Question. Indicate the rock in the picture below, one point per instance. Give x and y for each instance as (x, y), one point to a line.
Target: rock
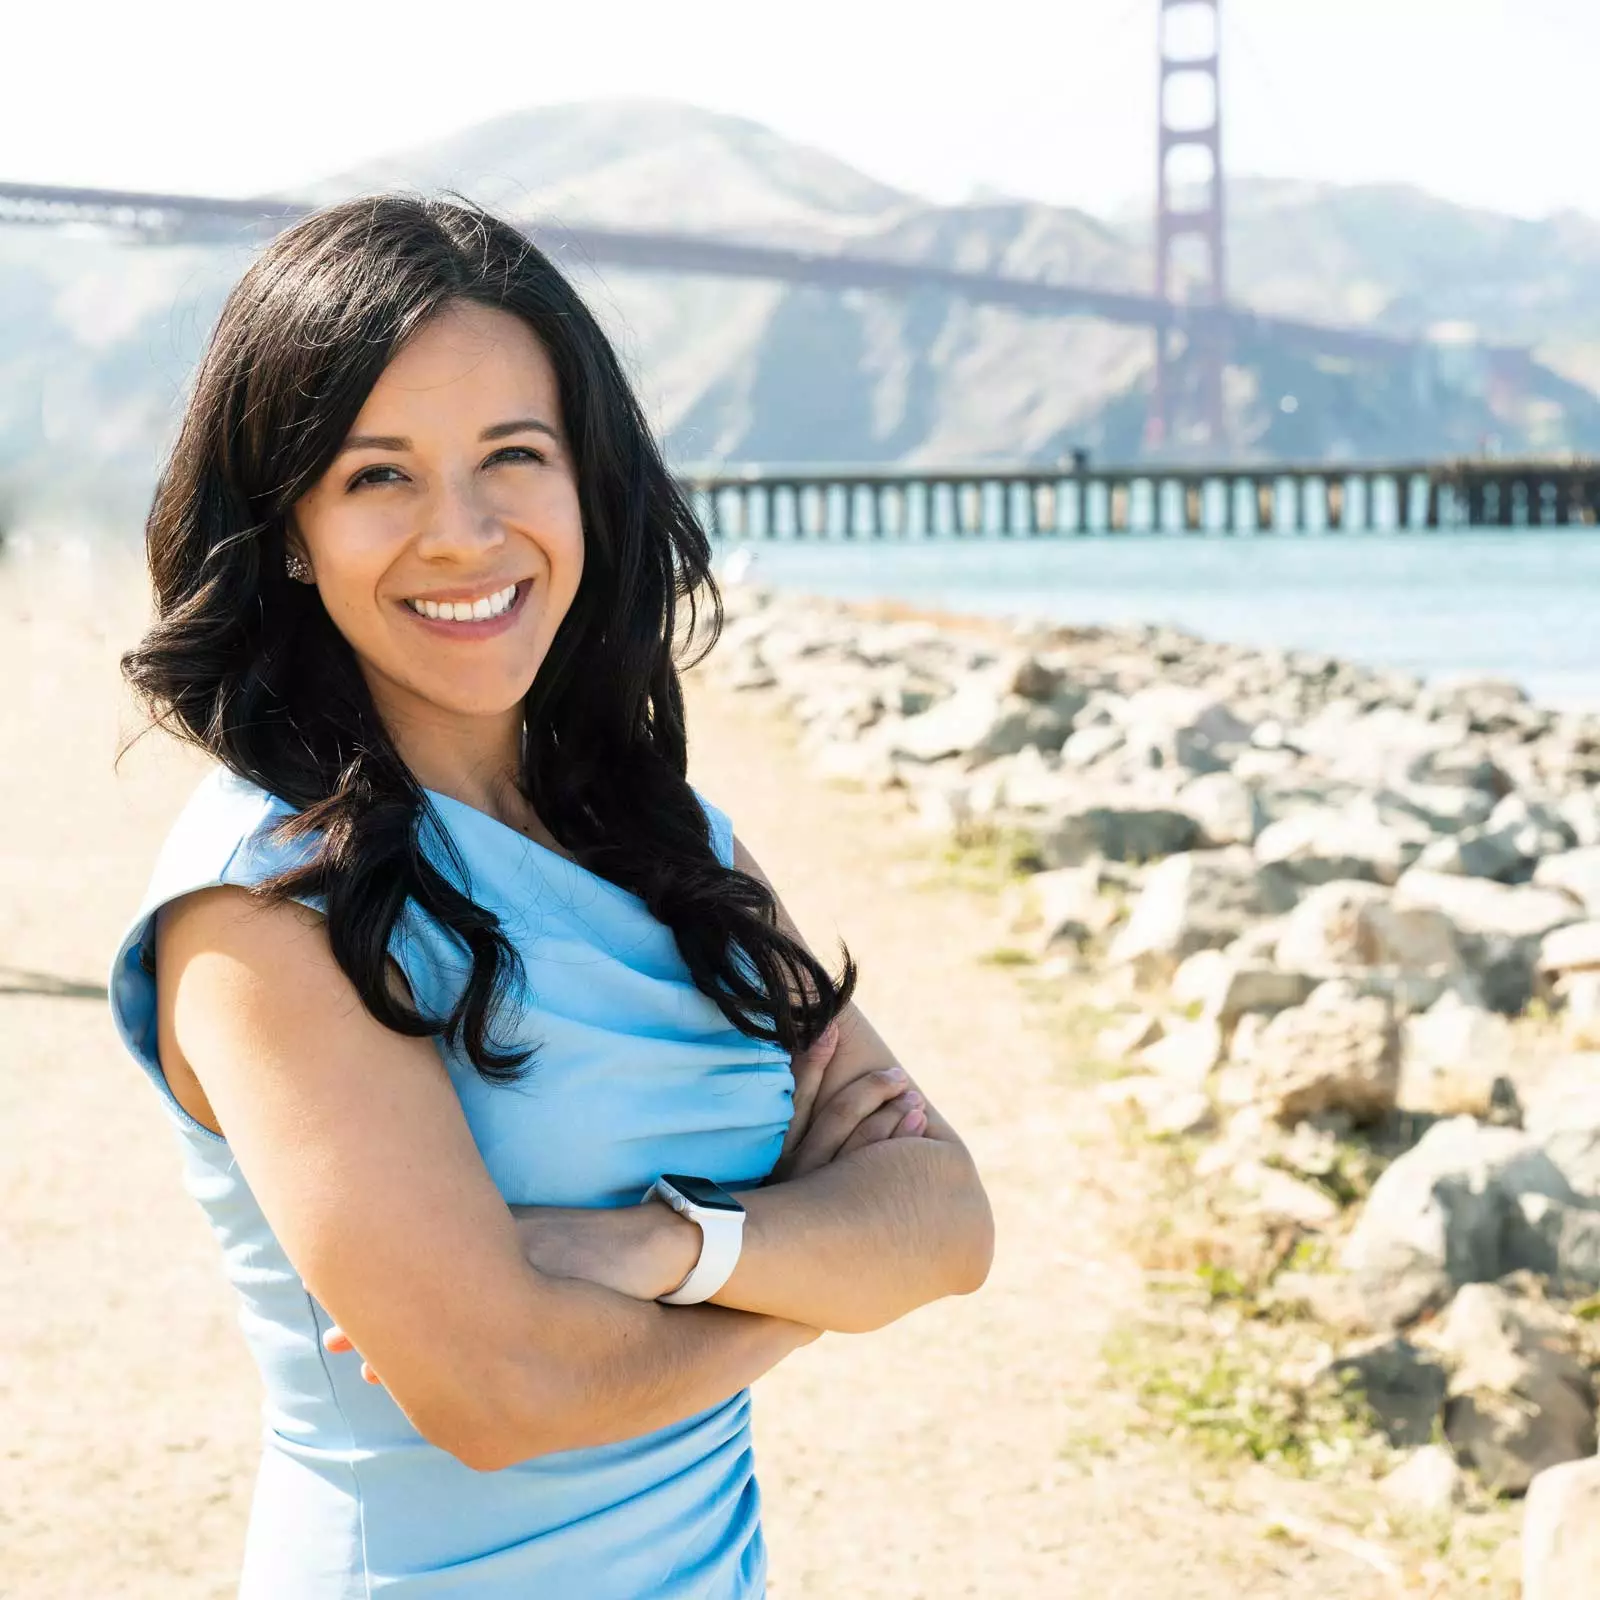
(1542, 828)
(1336, 1052)
(1225, 989)
(1252, 766)
(1581, 813)
(977, 724)
(1404, 1387)
(1026, 675)
(1257, 946)
(1185, 1055)
(1486, 909)
(1481, 703)
(1196, 901)
(1446, 808)
(1322, 845)
(1580, 1021)
(1575, 873)
(1129, 832)
(1574, 948)
(1198, 978)
(1559, 1241)
(1519, 1400)
(1089, 745)
(863, 762)
(1476, 853)
(1562, 1118)
(1460, 765)
(1312, 1148)
(1428, 1483)
(1561, 1532)
(1183, 1114)
(1452, 1056)
(1434, 1220)
(1018, 788)
(1499, 927)
(1068, 905)
(1345, 927)
(1175, 726)
(1326, 1297)
(1120, 1040)
(1169, 1109)
(1226, 810)
(1278, 1196)
(1384, 744)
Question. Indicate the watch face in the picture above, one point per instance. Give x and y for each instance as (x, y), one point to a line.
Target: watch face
(702, 1191)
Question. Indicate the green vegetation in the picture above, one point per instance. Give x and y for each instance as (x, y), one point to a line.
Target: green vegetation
(1006, 955)
(985, 857)
(1229, 1396)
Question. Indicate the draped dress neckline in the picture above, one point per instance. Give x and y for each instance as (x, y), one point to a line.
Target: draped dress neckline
(486, 819)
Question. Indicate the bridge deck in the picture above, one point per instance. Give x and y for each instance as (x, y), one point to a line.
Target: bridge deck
(847, 503)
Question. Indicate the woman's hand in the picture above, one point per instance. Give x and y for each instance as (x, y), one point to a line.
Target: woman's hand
(877, 1106)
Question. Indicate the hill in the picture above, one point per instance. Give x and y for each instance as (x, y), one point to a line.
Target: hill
(96, 335)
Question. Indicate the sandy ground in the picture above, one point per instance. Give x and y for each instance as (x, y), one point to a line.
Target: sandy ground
(960, 1452)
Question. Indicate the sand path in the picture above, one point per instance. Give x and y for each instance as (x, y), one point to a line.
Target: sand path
(957, 1453)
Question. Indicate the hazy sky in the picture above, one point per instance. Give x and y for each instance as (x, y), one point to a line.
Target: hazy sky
(1490, 102)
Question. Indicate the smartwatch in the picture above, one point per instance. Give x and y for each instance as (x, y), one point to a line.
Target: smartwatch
(721, 1221)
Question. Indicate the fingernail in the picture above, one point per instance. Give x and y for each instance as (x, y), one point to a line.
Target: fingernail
(897, 1074)
(913, 1100)
(915, 1122)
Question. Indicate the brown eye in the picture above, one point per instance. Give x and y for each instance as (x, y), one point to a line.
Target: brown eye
(514, 452)
(375, 475)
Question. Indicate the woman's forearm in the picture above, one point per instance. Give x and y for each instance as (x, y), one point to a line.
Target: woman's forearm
(860, 1242)
(845, 1248)
(633, 1366)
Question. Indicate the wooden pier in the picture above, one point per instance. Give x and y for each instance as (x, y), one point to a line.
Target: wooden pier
(995, 502)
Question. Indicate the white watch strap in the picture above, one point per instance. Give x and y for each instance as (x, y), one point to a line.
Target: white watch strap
(721, 1239)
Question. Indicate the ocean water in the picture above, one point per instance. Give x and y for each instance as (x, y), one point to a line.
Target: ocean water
(1521, 604)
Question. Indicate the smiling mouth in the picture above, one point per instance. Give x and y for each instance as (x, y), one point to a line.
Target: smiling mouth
(479, 609)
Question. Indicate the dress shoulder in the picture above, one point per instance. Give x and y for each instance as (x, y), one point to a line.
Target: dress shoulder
(221, 836)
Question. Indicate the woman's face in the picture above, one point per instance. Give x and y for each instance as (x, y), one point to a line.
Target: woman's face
(445, 539)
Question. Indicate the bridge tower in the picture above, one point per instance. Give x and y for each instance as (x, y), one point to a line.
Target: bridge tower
(1186, 409)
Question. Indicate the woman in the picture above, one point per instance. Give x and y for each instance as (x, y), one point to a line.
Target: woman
(447, 964)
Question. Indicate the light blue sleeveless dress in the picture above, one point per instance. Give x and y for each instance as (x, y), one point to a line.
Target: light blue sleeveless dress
(638, 1074)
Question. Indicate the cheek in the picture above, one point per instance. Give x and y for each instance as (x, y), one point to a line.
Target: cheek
(351, 551)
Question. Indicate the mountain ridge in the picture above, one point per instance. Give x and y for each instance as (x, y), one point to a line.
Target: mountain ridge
(97, 336)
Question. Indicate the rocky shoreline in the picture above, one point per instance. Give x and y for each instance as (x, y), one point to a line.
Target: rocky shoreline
(1347, 921)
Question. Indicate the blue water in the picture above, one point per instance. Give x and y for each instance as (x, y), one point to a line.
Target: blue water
(1519, 604)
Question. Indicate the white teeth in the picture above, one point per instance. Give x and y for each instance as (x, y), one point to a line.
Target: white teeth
(490, 605)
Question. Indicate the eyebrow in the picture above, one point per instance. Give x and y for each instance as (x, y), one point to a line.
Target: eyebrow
(500, 430)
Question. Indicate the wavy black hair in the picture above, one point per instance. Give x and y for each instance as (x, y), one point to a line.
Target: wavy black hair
(246, 664)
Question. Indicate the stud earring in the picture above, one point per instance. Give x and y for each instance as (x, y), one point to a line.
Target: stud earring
(295, 566)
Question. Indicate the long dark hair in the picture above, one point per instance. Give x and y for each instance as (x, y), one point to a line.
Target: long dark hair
(247, 664)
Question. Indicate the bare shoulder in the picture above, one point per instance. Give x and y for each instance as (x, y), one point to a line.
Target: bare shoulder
(229, 922)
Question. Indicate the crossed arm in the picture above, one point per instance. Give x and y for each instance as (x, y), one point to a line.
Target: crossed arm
(503, 1337)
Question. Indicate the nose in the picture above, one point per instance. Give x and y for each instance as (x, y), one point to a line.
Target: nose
(459, 522)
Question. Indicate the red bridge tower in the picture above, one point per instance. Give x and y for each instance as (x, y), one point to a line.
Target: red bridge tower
(1186, 409)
